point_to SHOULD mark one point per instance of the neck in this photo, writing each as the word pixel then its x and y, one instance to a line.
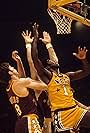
pixel 57 72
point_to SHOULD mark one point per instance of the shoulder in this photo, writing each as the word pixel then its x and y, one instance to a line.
pixel 19 87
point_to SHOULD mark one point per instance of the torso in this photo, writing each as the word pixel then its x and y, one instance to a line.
pixel 24 102
pixel 60 92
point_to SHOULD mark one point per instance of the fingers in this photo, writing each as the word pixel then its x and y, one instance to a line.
pixel 35 25
pixel 46 34
pixel 74 54
pixel 15 54
pixel 35 30
pixel 85 49
pixel 82 49
pixel 27 33
pixel 23 34
pixel 79 48
pixel 41 39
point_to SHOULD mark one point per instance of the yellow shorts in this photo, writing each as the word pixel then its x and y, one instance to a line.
pixel 33 124
pixel 68 119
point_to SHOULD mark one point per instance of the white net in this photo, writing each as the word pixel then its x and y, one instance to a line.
pixel 63 24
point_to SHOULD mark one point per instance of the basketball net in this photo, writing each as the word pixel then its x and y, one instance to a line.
pixel 63 24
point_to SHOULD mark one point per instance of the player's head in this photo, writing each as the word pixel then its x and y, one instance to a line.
pixel 52 66
pixel 4 75
pixel 7 73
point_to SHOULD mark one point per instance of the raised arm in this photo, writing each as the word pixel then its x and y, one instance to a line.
pixel 47 41
pixel 18 60
pixel 28 41
pixel 42 72
pixel 81 55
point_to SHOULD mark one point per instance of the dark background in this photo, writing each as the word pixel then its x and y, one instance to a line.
pixel 18 15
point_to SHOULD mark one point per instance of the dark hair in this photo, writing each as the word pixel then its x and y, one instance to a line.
pixel 52 64
pixel 4 75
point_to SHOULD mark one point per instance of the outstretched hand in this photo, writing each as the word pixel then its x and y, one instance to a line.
pixel 81 53
pixel 27 37
pixel 15 56
pixel 46 38
pixel 35 30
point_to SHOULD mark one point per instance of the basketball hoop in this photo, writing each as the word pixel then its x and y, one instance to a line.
pixel 71 9
pixel 63 24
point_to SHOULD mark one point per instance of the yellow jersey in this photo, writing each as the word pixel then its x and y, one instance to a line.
pixel 60 92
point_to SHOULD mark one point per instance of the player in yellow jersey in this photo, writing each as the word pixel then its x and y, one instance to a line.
pixel 66 113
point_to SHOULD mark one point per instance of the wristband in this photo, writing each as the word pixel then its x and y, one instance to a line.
pixel 49 45
pixel 28 45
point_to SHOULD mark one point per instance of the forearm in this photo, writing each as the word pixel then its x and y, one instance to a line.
pixel 30 61
pixel 37 85
pixel 37 63
pixel 34 52
pixel 20 68
pixel 86 66
pixel 79 74
pixel 51 52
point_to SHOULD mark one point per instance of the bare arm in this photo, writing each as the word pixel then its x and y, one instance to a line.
pixel 36 85
pixel 28 40
pixel 18 60
pixel 25 83
pixel 47 41
pixel 42 72
pixel 85 65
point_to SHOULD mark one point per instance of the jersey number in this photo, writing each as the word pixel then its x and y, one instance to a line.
pixel 18 110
